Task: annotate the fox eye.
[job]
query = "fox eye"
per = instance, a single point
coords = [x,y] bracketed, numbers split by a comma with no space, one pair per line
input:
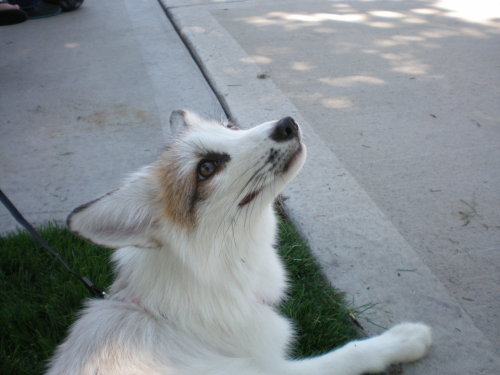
[206,169]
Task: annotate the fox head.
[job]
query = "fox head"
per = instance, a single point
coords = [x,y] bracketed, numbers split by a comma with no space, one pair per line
[210,173]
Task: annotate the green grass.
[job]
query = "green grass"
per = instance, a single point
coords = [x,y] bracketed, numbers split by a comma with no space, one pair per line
[39,299]
[322,319]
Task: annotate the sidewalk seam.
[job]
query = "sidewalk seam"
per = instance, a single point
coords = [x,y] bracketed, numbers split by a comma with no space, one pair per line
[196,58]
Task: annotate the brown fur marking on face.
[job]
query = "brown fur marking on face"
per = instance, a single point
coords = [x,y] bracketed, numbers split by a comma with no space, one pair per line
[178,190]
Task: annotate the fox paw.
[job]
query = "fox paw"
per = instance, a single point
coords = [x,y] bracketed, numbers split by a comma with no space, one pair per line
[410,341]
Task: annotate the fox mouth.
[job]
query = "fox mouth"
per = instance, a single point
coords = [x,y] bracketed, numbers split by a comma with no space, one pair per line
[249,197]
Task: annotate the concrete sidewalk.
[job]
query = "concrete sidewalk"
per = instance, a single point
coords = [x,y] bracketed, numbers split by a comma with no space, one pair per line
[399,199]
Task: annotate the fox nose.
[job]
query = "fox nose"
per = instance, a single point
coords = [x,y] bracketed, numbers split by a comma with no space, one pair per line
[285,129]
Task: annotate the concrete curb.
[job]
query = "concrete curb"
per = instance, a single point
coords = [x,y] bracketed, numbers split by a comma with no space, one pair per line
[360,250]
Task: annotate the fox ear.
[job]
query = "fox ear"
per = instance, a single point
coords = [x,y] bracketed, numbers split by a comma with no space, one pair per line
[178,121]
[181,119]
[118,219]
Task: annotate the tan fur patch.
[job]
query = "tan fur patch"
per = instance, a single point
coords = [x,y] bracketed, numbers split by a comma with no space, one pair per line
[177,191]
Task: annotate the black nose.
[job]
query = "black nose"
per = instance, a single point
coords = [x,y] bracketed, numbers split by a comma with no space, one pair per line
[285,129]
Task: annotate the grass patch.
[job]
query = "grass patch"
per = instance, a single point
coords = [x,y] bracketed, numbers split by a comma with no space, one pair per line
[39,299]
[322,319]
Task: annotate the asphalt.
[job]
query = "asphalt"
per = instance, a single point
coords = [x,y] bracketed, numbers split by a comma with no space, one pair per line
[398,100]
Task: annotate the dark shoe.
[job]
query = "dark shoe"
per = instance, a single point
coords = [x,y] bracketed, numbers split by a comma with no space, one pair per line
[12,16]
[42,10]
[67,5]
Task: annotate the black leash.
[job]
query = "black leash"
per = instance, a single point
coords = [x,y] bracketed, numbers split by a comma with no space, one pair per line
[21,220]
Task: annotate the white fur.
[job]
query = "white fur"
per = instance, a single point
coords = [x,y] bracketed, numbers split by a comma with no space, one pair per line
[197,294]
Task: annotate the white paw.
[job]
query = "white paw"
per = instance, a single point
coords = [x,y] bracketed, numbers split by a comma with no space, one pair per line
[409,341]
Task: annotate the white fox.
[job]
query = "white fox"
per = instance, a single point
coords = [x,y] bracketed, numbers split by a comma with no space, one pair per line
[198,279]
